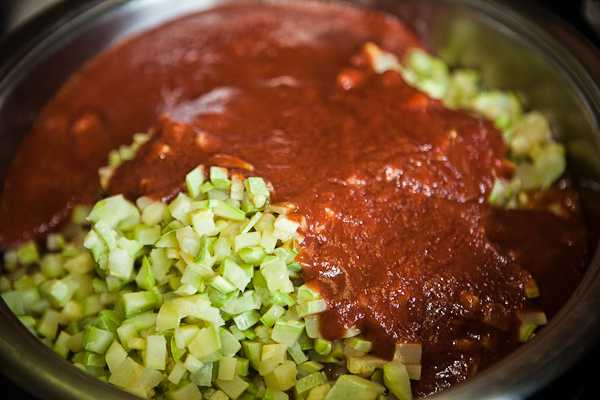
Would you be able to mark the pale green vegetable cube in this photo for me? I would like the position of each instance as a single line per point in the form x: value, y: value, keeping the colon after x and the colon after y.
x: 192, y: 364
x: 180, y: 207
x: 145, y: 276
x: 272, y: 315
x: 529, y: 132
x: 408, y: 353
x: 227, y: 211
x: 27, y: 253
x: 11, y: 260
x: 251, y: 222
x: 149, y: 380
x: 114, y: 356
x: 127, y: 374
x: 206, y: 342
x: 76, y: 342
x: 204, y: 376
x: 395, y: 378
x: 287, y: 332
x: 246, y: 319
x: 114, y: 211
x: 14, y: 301
x: 273, y: 394
x: 187, y: 392
x: 147, y: 235
x: 248, y: 239
x: 204, y: 222
x: 359, y: 344
x: 242, y: 367
x: 364, y: 366
x: 252, y: 254
x: 51, y: 266
x: 312, y: 326
x: 311, y: 307
x: 227, y: 367
x: 61, y: 345
x: 138, y: 302
x: 257, y: 191
x: 97, y: 340
x: 55, y: 241
x: 247, y: 302
x: 218, y: 175
x: 48, y: 324
x: 221, y: 284
x: 274, y: 351
x: 229, y: 344
x: 283, y: 377
x: 233, y: 388
x: 498, y: 106
x: 120, y: 263
x: 308, y: 382
x: 219, y: 395
x: 549, y: 162
x: 276, y: 275
x: 156, y: 352
x: 184, y: 335
x: 252, y: 351
x: 354, y: 387
x: 235, y: 274
x: 154, y: 213
x: 168, y: 317
x: 58, y: 292
x: 80, y: 264
x: 285, y: 228
x: 319, y: 392
x: 193, y: 181
x: 188, y: 240
x: 323, y: 347
x: 177, y: 373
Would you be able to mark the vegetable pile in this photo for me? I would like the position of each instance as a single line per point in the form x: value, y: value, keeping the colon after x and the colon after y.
x: 201, y: 297
x: 198, y: 298
x: 535, y: 157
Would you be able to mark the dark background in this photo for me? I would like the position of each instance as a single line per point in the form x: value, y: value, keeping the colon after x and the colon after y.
x: 580, y: 383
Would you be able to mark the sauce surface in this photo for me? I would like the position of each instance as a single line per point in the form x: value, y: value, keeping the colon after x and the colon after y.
x: 398, y: 238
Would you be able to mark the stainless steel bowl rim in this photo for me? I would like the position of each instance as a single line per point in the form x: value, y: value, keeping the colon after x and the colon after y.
x: 566, y: 339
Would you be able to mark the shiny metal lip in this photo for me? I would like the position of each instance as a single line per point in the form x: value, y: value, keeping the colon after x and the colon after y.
x: 564, y: 341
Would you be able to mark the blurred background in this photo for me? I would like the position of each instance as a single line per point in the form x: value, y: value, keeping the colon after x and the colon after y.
x: 18, y: 18
x: 14, y: 12
x: 584, y: 14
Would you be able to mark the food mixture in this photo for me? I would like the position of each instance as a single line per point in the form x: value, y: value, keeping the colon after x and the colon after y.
x: 319, y: 207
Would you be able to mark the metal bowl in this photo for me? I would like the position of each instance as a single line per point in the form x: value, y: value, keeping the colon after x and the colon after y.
x: 517, y: 48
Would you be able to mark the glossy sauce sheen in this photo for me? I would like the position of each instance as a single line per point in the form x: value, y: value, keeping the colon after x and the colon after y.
x: 399, y: 238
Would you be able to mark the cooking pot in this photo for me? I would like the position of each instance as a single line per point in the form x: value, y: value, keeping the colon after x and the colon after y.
x: 514, y: 47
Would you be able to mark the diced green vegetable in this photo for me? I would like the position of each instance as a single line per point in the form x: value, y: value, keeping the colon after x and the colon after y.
x: 206, y: 342
x: 227, y: 368
x: 193, y: 181
x: 354, y: 387
x: 138, y: 302
x: 156, y: 352
x: 97, y: 340
x: 310, y: 381
x: 177, y: 373
x: 287, y: 332
x: 115, y: 355
x: 408, y: 353
x: 395, y: 378
x: 234, y: 387
x: 276, y: 275
x: 113, y: 211
x: 186, y: 392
